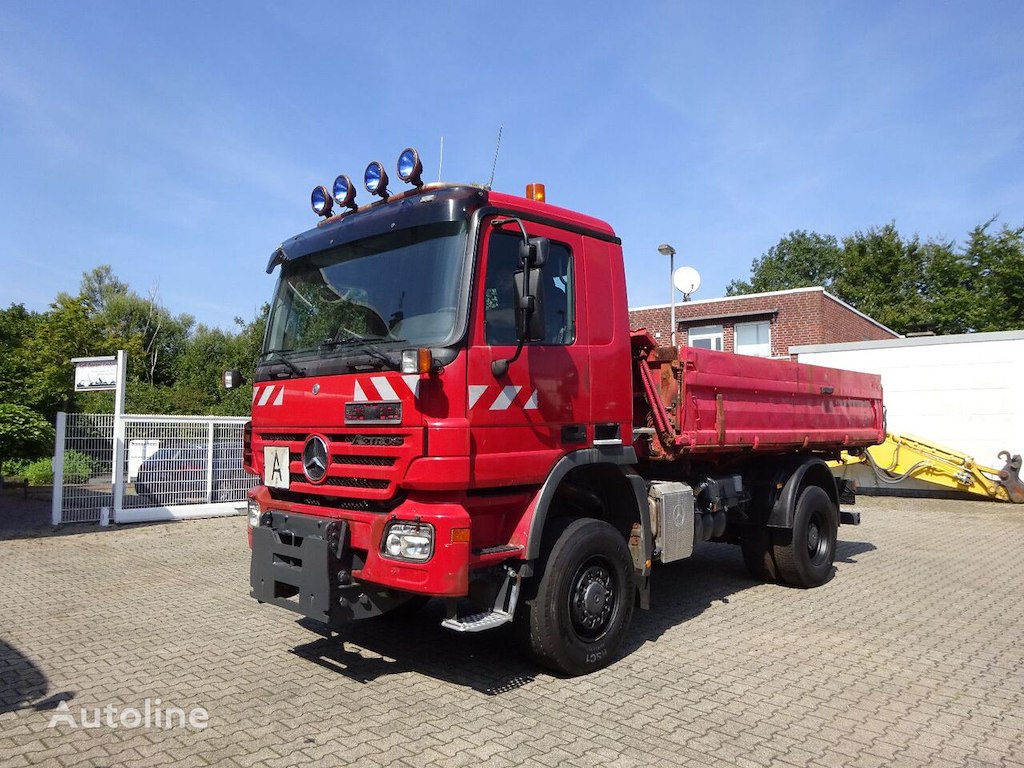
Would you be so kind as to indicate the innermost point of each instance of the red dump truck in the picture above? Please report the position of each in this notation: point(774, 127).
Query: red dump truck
point(450, 404)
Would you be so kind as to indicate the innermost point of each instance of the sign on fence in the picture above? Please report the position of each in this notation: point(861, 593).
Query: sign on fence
point(94, 374)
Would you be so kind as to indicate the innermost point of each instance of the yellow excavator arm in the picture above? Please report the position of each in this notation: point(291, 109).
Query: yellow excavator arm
point(902, 457)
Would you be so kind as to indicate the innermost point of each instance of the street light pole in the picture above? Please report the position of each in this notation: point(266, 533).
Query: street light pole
point(667, 250)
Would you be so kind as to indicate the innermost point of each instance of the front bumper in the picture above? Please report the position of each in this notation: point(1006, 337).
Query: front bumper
point(330, 568)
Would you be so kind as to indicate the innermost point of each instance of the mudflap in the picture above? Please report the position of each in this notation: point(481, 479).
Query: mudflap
point(304, 564)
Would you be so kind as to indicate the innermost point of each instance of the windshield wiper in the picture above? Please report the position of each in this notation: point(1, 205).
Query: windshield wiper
point(364, 344)
point(276, 353)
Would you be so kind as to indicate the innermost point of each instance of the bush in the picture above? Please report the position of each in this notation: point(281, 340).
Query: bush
point(78, 468)
point(24, 433)
point(39, 472)
point(14, 469)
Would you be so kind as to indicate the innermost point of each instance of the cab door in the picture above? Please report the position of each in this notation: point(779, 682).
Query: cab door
point(522, 421)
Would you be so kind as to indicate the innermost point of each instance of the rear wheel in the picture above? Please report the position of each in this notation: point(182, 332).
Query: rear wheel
point(804, 555)
point(584, 598)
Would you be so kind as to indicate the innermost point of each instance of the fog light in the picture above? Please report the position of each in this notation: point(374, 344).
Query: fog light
point(321, 201)
point(409, 541)
point(376, 180)
point(254, 513)
point(410, 168)
point(344, 192)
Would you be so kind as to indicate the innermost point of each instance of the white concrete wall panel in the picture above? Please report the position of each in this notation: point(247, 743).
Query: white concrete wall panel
point(964, 392)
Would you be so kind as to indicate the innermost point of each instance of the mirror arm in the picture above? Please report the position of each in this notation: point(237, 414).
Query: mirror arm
point(500, 367)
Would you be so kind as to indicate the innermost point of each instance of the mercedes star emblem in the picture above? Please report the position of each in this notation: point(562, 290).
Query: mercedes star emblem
point(315, 458)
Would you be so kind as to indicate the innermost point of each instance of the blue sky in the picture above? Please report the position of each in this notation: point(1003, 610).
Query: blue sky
point(178, 142)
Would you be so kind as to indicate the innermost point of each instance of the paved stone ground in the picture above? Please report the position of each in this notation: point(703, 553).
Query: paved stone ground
point(913, 655)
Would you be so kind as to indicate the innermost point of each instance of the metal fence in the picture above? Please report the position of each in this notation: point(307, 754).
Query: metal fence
point(82, 467)
point(173, 467)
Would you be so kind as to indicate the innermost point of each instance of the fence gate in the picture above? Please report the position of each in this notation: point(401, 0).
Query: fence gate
point(173, 467)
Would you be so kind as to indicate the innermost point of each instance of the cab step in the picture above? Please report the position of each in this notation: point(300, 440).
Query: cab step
point(501, 613)
point(478, 622)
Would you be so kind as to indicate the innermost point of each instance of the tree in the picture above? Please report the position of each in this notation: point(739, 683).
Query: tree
point(950, 289)
point(904, 283)
point(99, 286)
point(798, 260)
point(883, 276)
point(997, 262)
point(65, 331)
point(16, 325)
point(149, 333)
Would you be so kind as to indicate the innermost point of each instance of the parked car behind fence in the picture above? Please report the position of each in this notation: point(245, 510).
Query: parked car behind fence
point(177, 474)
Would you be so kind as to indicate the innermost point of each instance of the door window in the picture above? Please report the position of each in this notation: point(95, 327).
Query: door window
point(499, 294)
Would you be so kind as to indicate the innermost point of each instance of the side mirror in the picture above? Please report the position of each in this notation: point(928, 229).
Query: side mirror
point(233, 379)
point(530, 306)
point(534, 252)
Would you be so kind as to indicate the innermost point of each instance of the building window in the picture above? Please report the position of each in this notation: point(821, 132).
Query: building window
point(754, 339)
point(706, 337)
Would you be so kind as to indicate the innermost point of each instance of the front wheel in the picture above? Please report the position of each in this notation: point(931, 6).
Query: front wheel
point(804, 555)
point(584, 598)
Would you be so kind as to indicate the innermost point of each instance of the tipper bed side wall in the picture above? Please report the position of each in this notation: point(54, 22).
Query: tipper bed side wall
point(708, 401)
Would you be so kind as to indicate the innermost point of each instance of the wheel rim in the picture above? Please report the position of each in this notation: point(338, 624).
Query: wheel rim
point(592, 598)
point(817, 541)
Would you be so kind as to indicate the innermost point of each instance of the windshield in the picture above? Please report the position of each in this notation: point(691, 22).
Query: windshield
point(401, 286)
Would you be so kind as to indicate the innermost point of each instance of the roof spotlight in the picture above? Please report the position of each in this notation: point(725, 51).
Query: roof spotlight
point(410, 168)
point(344, 192)
point(376, 180)
point(321, 201)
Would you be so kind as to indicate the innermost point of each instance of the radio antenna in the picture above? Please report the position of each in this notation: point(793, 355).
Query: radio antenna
point(495, 165)
point(440, 161)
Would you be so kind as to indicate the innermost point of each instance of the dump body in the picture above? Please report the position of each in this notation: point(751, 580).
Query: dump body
point(704, 401)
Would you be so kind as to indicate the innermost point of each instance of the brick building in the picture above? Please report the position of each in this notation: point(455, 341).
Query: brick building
point(763, 324)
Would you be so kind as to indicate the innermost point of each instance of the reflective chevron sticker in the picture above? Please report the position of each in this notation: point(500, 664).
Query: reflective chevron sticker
point(262, 396)
point(500, 398)
point(379, 388)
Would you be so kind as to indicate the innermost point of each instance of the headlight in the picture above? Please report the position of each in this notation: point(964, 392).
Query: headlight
point(254, 513)
point(408, 541)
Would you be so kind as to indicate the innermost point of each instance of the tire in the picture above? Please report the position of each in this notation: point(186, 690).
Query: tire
point(803, 556)
point(756, 544)
point(576, 619)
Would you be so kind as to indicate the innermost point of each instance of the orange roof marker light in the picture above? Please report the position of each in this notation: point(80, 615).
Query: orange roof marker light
point(536, 192)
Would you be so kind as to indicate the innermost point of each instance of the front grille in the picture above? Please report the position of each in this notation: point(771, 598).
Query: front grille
point(345, 482)
point(366, 461)
point(357, 482)
point(336, 502)
point(362, 463)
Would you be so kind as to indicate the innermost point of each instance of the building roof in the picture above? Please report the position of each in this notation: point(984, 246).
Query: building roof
point(811, 289)
point(912, 341)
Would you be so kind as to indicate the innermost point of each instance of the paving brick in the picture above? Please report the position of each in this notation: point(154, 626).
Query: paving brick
point(913, 655)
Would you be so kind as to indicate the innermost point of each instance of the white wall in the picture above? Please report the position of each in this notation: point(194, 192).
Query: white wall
point(964, 391)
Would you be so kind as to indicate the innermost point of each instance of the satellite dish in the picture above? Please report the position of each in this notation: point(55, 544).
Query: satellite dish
point(686, 280)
